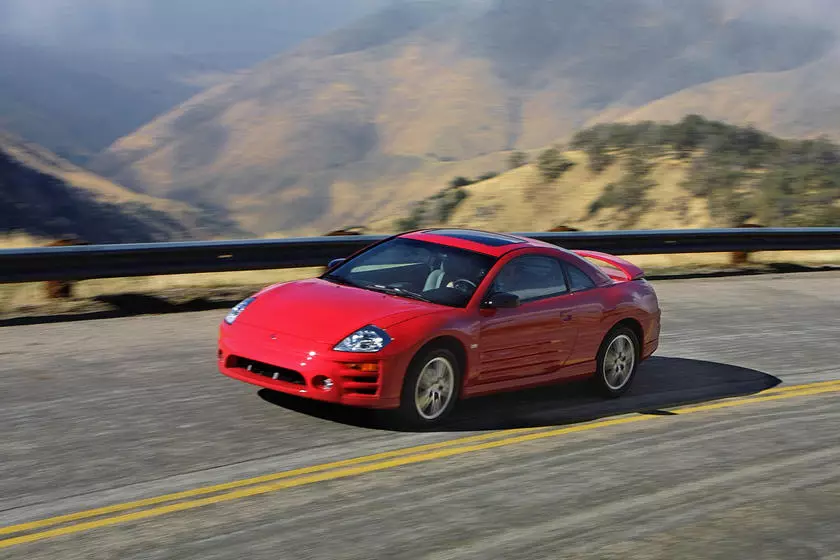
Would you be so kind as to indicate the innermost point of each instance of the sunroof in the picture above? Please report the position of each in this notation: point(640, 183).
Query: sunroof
point(485, 238)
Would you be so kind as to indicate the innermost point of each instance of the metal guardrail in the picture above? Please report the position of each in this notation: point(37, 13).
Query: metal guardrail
point(148, 259)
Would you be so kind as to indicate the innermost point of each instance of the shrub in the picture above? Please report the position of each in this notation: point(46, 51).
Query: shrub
point(415, 220)
point(742, 172)
point(517, 159)
point(447, 204)
point(599, 158)
point(552, 164)
point(405, 224)
point(436, 209)
point(460, 182)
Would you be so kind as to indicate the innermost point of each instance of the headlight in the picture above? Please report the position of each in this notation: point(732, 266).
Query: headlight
point(237, 309)
point(366, 339)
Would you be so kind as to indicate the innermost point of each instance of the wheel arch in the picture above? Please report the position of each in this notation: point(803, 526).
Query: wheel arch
point(634, 325)
point(451, 343)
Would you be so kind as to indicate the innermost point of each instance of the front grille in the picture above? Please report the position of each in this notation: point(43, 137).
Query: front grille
point(266, 370)
point(359, 383)
point(363, 378)
point(369, 391)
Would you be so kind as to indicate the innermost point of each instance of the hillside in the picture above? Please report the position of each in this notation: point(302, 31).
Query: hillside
point(45, 196)
point(364, 118)
point(802, 102)
point(695, 173)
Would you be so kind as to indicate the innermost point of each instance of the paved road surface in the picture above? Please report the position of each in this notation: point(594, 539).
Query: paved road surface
point(97, 413)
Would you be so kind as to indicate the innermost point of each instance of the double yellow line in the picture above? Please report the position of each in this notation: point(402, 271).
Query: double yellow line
point(190, 499)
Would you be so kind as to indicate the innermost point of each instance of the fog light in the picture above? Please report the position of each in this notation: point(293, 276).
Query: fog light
point(323, 383)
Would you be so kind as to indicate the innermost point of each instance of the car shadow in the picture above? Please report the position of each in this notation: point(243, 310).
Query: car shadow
point(661, 383)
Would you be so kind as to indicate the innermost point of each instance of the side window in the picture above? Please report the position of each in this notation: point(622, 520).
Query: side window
point(531, 277)
point(578, 279)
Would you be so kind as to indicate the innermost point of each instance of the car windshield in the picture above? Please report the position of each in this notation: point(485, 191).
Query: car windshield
point(416, 269)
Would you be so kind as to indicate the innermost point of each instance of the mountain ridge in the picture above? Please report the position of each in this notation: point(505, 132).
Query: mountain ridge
point(379, 113)
point(46, 196)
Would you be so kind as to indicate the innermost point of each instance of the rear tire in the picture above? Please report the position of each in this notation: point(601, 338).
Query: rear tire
point(431, 387)
point(617, 362)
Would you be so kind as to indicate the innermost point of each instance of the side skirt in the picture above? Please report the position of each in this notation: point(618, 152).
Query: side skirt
point(563, 375)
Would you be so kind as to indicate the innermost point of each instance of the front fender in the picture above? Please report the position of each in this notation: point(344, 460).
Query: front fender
point(413, 334)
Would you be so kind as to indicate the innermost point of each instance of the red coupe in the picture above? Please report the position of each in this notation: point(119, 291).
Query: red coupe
point(420, 320)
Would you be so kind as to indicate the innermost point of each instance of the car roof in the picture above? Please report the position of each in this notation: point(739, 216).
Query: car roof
point(489, 243)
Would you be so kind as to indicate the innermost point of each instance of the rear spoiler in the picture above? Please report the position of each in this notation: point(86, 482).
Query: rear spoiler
point(617, 268)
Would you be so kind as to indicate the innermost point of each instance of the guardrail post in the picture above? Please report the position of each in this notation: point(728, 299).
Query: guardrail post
point(62, 289)
point(738, 258)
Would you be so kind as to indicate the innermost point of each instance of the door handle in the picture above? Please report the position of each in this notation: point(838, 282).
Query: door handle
point(567, 317)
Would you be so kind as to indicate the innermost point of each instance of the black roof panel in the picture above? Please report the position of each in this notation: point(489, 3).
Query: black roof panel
point(482, 237)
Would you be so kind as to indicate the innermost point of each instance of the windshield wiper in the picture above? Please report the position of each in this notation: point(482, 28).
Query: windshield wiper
point(393, 290)
point(340, 280)
point(400, 292)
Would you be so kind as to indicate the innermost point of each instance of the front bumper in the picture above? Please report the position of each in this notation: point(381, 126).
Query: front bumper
point(291, 365)
point(650, 347)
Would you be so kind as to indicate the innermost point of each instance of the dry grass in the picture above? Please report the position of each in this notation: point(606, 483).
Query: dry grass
point(18, 296)
point(20, 240)
point(666, 263)
point(520, 200)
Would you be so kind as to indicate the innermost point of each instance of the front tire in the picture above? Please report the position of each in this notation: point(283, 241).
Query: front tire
point(430, 389)
point(618, 359)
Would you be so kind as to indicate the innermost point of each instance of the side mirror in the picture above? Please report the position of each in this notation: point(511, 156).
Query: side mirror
point(335, 262)
point(502, 300)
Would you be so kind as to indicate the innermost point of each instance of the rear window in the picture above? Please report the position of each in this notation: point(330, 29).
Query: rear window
point(578, 279)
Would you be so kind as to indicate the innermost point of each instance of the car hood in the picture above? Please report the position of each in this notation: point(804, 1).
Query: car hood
point(321, 311)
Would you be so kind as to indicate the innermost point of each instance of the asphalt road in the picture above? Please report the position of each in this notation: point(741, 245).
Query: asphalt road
point(99, 413)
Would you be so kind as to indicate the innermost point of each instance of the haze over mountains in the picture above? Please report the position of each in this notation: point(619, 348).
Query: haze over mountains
point(355, 124)
point(75, 75)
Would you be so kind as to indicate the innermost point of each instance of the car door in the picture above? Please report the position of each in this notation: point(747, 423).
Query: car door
point(586, 307)
point(535, 338)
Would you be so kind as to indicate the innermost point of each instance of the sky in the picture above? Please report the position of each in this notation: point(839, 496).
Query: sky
point(176, 25)
point(197, 24)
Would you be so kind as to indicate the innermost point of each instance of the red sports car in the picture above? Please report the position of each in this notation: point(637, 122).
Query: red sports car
point(420, 320)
